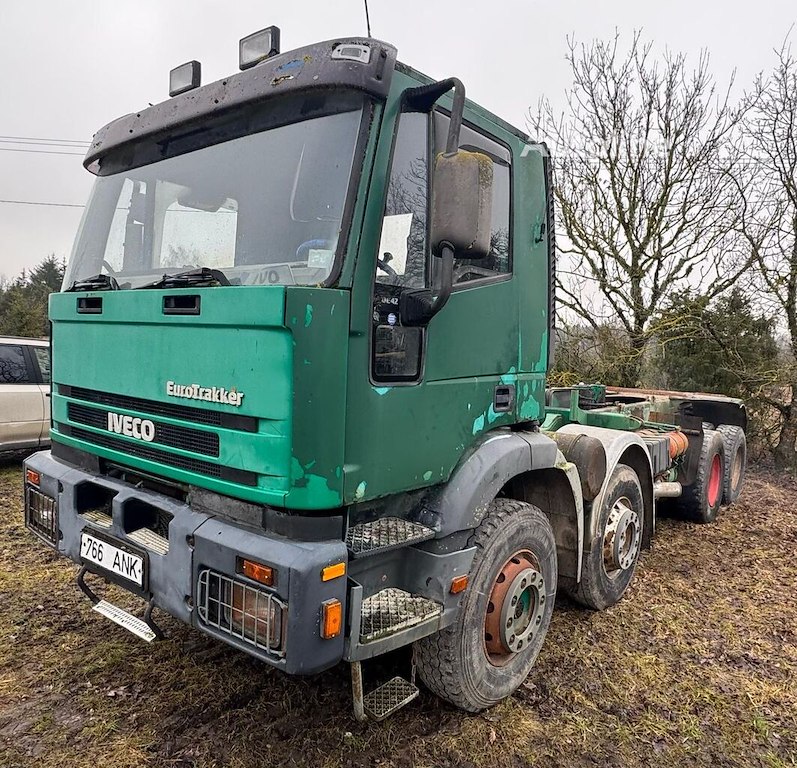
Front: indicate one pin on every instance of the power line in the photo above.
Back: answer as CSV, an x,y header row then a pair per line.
x,y
41,151
32,143
54,141
34,202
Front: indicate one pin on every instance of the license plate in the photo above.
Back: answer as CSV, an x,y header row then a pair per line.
x,y
125,564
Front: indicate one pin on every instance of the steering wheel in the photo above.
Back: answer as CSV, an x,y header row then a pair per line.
x,y
468,269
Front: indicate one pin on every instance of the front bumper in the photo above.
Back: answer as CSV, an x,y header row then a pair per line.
x,y
195,559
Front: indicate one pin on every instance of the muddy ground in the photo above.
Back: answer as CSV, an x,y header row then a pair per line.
x,y
696,666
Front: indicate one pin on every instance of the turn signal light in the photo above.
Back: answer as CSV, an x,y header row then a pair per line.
x,y
458,584
331,619
333,571
257,571
32,476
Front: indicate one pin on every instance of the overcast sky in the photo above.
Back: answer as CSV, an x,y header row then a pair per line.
x,y
70,66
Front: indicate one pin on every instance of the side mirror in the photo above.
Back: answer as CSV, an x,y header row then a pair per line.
x,y
462,200
462,197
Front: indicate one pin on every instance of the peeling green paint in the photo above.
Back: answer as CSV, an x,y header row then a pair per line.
x,y
359,494
308,315
427,475
478,424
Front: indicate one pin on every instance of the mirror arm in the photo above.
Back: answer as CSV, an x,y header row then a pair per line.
x,y
417,307
446,278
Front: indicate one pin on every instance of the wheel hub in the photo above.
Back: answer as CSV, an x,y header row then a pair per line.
x,y
622,538
515,608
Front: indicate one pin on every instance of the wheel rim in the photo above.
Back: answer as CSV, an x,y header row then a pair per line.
x,y
621,539
714,481
515,608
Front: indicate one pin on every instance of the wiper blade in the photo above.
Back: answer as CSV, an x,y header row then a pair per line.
x,y
201,276
101,282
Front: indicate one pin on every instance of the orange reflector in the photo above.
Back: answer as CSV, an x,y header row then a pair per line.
x,y
458,583
332,619
32,476
256,571
333,571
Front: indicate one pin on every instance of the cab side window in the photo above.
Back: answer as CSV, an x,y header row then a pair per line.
x,y
13,365
499,260
402,248
402,260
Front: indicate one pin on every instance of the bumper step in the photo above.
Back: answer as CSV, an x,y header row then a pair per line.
x,y
394,610
385,534
384,700
124,619
389,698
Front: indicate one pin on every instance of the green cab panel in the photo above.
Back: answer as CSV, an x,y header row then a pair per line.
x,y
218,385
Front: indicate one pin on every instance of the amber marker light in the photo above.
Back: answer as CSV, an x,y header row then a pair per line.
x,y
32,476
333,571
257,571
458,584
331,619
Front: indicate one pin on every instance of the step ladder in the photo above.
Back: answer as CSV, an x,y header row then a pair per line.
x,y
386,613
383,534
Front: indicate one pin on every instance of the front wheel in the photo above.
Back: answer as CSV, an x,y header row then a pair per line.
x,y
490,649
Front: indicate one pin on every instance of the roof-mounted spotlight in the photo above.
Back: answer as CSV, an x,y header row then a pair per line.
x,y
184,78
258,47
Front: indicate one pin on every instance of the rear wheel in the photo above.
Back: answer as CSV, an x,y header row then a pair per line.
x,y
735,445
611,563
701,501
490,649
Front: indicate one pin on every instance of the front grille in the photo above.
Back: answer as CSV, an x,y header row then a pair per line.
x,y
185,438
171,410
146,451
250,614
41,515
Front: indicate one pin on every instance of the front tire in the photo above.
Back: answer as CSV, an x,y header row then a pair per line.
x,y
490,649
614,553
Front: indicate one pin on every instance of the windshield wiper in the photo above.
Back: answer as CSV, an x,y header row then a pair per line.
x,y
201,276
101,282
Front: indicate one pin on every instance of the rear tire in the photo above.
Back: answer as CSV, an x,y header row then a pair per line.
x,y
511,592
735,444
701,501
614,552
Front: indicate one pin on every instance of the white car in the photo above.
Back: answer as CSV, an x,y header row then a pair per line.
x,y
24,394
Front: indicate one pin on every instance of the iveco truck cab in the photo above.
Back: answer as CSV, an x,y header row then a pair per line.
x,y
299,383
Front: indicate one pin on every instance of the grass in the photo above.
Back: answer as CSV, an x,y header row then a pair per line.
x,y
696,666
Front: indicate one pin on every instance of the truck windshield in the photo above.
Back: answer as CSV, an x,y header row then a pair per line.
x,y
266,207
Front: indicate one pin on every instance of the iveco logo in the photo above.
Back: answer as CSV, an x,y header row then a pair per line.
x,y
141,429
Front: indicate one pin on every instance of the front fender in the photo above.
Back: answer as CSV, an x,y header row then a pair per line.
x,y
493,461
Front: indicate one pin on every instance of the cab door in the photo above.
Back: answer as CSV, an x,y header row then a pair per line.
x,y
21,398
421,396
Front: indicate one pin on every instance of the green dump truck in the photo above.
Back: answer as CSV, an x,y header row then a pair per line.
x,y
299,384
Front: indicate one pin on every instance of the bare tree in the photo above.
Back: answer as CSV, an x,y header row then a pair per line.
x,y
768,180
645,201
